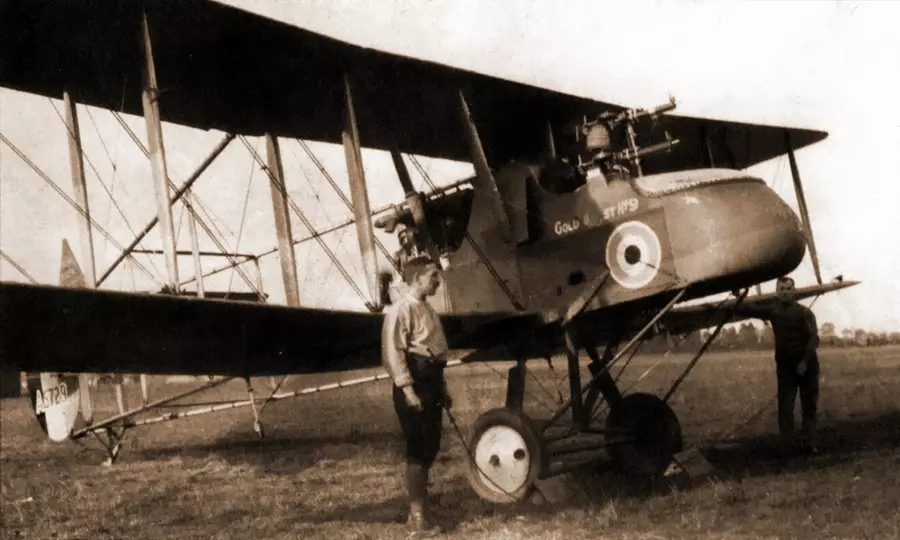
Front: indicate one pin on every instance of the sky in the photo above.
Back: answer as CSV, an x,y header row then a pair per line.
x,y
830,66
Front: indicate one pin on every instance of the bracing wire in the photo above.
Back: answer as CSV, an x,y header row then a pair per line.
x,y
237,244
115,170
17,267
112,199
75,205
308,225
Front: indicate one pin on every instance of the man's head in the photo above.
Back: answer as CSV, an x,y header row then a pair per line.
x,y
784,289
422,275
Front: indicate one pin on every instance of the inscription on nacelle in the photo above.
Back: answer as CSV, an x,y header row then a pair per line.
x,y
562,228
597,216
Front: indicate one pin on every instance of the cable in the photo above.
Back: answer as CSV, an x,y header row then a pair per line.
x,y
240,233
17,267
100,179
74,204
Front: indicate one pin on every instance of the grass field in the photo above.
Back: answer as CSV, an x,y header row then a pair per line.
x,y
329,466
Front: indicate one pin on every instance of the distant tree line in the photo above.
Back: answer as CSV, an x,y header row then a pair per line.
x,y
747,336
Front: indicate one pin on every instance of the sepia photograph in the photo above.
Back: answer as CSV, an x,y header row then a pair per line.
x,y
507,269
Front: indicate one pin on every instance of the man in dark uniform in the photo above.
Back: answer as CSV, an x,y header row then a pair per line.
x,y
413,347
796,362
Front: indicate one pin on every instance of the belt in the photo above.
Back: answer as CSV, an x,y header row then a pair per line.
x,y
419,364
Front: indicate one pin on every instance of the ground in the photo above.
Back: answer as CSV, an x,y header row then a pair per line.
x,y
329,467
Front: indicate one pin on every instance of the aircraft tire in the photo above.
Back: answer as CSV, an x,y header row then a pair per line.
x,y
656,429
505,456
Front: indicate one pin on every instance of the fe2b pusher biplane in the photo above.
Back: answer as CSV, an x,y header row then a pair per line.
x,y
586,224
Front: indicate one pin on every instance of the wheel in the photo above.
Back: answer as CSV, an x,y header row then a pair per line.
x,y
505,456
655,431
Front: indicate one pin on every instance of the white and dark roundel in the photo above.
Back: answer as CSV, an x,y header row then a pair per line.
x,y
633,254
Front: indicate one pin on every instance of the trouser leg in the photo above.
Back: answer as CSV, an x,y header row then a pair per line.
x,y
809,397
787,396
422,435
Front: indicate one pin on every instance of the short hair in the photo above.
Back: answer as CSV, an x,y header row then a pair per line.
x,y
786,279
415,267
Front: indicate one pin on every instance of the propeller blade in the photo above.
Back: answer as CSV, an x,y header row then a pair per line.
x,y
416,204
359,196
402,171
484,182
801,202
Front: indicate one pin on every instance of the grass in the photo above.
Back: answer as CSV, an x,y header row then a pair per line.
x,y
330,467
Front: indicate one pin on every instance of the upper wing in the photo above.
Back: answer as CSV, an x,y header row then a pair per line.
x,y
223,68
691,318
55,329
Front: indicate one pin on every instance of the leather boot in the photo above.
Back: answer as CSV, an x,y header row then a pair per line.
x,y
416,484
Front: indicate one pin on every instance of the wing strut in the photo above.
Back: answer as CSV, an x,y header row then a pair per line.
x,y
150,101
79,187
359,195
282,222
801,202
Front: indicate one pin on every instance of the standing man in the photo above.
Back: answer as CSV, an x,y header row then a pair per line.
x,y
796,362
413,347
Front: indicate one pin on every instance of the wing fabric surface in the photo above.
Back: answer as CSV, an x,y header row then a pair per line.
x,y
686,319
223,68
55,329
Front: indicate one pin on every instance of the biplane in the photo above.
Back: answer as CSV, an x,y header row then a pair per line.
x,y
586,227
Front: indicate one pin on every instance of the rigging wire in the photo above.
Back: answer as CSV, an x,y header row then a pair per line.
x,y
197,202
237,244
102,183
346,201
17,267
194,214
74,204
115,170
341,248
307,224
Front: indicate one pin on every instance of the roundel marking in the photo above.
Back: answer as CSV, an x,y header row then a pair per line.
x,y
633,254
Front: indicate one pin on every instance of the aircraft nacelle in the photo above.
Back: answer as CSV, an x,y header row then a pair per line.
x,y
715,229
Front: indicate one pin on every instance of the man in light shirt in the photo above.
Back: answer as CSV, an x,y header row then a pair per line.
x,y
413,347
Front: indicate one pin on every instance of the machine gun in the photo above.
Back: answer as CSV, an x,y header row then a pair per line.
x,y
597,136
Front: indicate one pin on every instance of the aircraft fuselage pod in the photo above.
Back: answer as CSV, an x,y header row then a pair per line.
x,y
713,229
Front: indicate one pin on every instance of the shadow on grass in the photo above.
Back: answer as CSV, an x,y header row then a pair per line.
x,y
586,486
282,454
838,442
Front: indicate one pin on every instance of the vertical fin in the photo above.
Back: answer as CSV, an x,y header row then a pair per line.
x,y
70,274
485,184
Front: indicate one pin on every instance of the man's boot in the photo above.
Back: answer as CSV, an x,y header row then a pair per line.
x,y
416,484
809,438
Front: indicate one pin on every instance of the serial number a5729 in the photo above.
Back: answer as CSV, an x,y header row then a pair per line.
x,y
50,397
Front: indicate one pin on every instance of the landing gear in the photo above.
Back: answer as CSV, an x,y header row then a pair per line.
x,y
643,435
505,456
508,452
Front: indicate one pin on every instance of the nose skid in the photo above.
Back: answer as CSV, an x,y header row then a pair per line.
x,y
739,232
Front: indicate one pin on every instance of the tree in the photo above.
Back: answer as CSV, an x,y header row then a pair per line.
x,y
861,337
767,337
746,337
827,334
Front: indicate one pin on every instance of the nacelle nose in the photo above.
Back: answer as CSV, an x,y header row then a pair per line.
x,y
732,232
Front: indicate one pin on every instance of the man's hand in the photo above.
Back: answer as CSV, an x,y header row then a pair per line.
x,y
411,398
802,366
